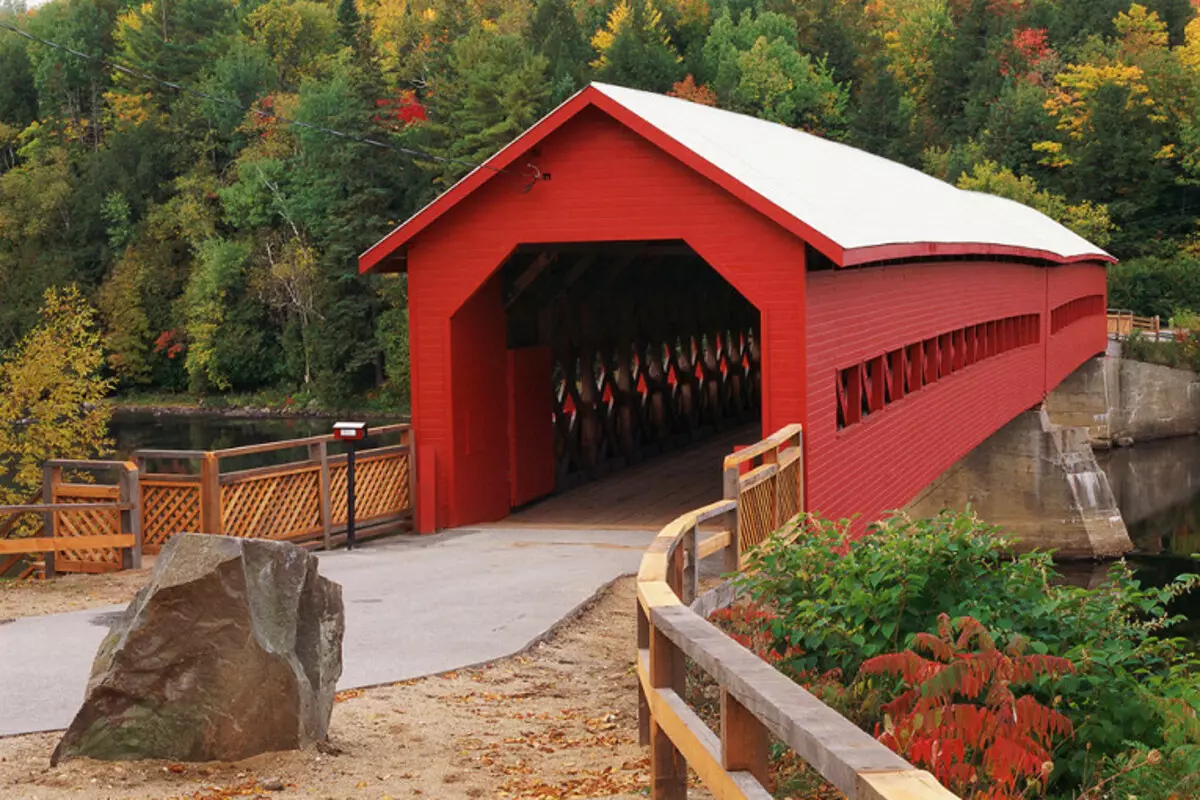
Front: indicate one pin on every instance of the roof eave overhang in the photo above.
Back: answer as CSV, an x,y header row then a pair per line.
x,y
389,254
888,252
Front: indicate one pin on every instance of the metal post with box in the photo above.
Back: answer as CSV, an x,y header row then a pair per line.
x,y
351,433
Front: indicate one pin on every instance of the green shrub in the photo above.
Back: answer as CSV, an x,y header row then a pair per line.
x,y
837,601
1180,352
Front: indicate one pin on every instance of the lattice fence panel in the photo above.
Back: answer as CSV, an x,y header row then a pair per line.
x,y
756,514
788,491
87,522
380,487
168,509
282,506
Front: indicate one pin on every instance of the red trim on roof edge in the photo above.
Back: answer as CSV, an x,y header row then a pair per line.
x,y
476,178
591,96
888,252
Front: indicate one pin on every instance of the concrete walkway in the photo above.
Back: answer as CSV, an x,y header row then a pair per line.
x,y
414,606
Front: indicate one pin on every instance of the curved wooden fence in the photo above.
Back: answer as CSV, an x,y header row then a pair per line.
x,y
764,489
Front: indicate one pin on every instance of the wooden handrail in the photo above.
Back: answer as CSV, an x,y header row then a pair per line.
x,y
757,701
79,463
775,441
39,507
164,454
287,444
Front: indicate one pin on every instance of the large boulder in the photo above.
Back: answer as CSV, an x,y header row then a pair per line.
x,y
233,648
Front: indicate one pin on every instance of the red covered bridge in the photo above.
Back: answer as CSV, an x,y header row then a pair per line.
x,y
636,273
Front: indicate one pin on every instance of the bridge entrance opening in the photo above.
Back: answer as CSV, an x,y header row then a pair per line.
x,y
627,363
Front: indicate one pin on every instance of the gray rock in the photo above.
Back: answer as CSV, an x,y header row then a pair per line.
x,y
234,648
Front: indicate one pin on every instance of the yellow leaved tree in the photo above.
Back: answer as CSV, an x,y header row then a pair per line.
x,y
51,388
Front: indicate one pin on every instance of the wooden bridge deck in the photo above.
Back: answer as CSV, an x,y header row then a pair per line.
x,y
644,497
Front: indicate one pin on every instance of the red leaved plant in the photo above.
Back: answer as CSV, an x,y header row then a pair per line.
x,y
959,717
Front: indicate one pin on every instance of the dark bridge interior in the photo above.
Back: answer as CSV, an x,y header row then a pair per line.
x,y
650,351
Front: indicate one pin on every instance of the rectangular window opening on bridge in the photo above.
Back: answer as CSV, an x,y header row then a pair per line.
x,y
1073,311
872,385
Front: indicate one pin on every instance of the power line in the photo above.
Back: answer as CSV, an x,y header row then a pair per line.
x,y
251,109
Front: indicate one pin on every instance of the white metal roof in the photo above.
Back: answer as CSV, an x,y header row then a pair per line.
x,y
856,199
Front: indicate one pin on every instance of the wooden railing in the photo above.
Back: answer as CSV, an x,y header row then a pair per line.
x,y
1124,323
300,500
78,527
763,486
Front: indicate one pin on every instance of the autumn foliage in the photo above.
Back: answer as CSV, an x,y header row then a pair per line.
x,y
959,716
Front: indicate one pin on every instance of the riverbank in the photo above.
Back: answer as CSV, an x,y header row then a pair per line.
x,y
257,405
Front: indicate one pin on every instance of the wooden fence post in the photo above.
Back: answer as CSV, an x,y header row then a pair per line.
x,y
129,493
50,478
691,566
319,453
745,743
210,494
733,552
643,643
668,768
800,474
410,438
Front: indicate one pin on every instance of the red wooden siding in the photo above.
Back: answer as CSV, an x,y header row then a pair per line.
x,y
607,183
530,434
1086,334
879,336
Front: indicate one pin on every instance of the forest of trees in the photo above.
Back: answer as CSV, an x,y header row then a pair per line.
x,y
217,242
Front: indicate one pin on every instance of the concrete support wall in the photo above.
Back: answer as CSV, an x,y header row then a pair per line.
x,y
1120,401
1041,484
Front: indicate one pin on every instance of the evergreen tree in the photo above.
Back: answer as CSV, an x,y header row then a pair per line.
x,y
556,34
634,48
494,90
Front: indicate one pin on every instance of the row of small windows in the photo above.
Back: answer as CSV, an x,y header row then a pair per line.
x,y
868,388
1075,310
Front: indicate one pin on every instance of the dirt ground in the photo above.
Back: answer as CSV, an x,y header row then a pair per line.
x,y
558,722
70,592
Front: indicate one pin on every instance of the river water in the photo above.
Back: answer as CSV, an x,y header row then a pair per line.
x,y
1157,487
133,430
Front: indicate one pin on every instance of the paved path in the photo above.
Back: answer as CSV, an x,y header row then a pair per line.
x,y
414,606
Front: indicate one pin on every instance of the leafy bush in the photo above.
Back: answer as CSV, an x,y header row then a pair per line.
x,y
960,717
1181,351
836,601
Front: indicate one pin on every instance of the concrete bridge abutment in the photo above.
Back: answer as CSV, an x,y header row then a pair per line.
x,y
1120,401
1041,484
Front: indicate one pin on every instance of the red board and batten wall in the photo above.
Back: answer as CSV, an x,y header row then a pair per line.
x,y
608,183
613,178
855,315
